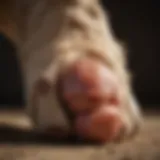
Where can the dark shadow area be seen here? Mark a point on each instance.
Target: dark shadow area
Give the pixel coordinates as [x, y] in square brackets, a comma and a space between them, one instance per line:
[19, 136]
[10, 78]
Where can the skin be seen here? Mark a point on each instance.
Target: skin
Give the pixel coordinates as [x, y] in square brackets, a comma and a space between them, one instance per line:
[103, 125]
[93, 93]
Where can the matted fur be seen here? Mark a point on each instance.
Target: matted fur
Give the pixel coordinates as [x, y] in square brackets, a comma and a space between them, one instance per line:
[52, 34]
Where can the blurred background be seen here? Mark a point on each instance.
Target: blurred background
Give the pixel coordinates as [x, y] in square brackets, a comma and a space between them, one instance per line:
[134, 22]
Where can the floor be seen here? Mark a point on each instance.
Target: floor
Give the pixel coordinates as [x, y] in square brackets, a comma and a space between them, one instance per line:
[18, 143]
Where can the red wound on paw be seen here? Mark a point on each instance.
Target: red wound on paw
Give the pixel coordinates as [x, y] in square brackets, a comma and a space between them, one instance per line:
[93, 93]
[103, 125]
[88, 84]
